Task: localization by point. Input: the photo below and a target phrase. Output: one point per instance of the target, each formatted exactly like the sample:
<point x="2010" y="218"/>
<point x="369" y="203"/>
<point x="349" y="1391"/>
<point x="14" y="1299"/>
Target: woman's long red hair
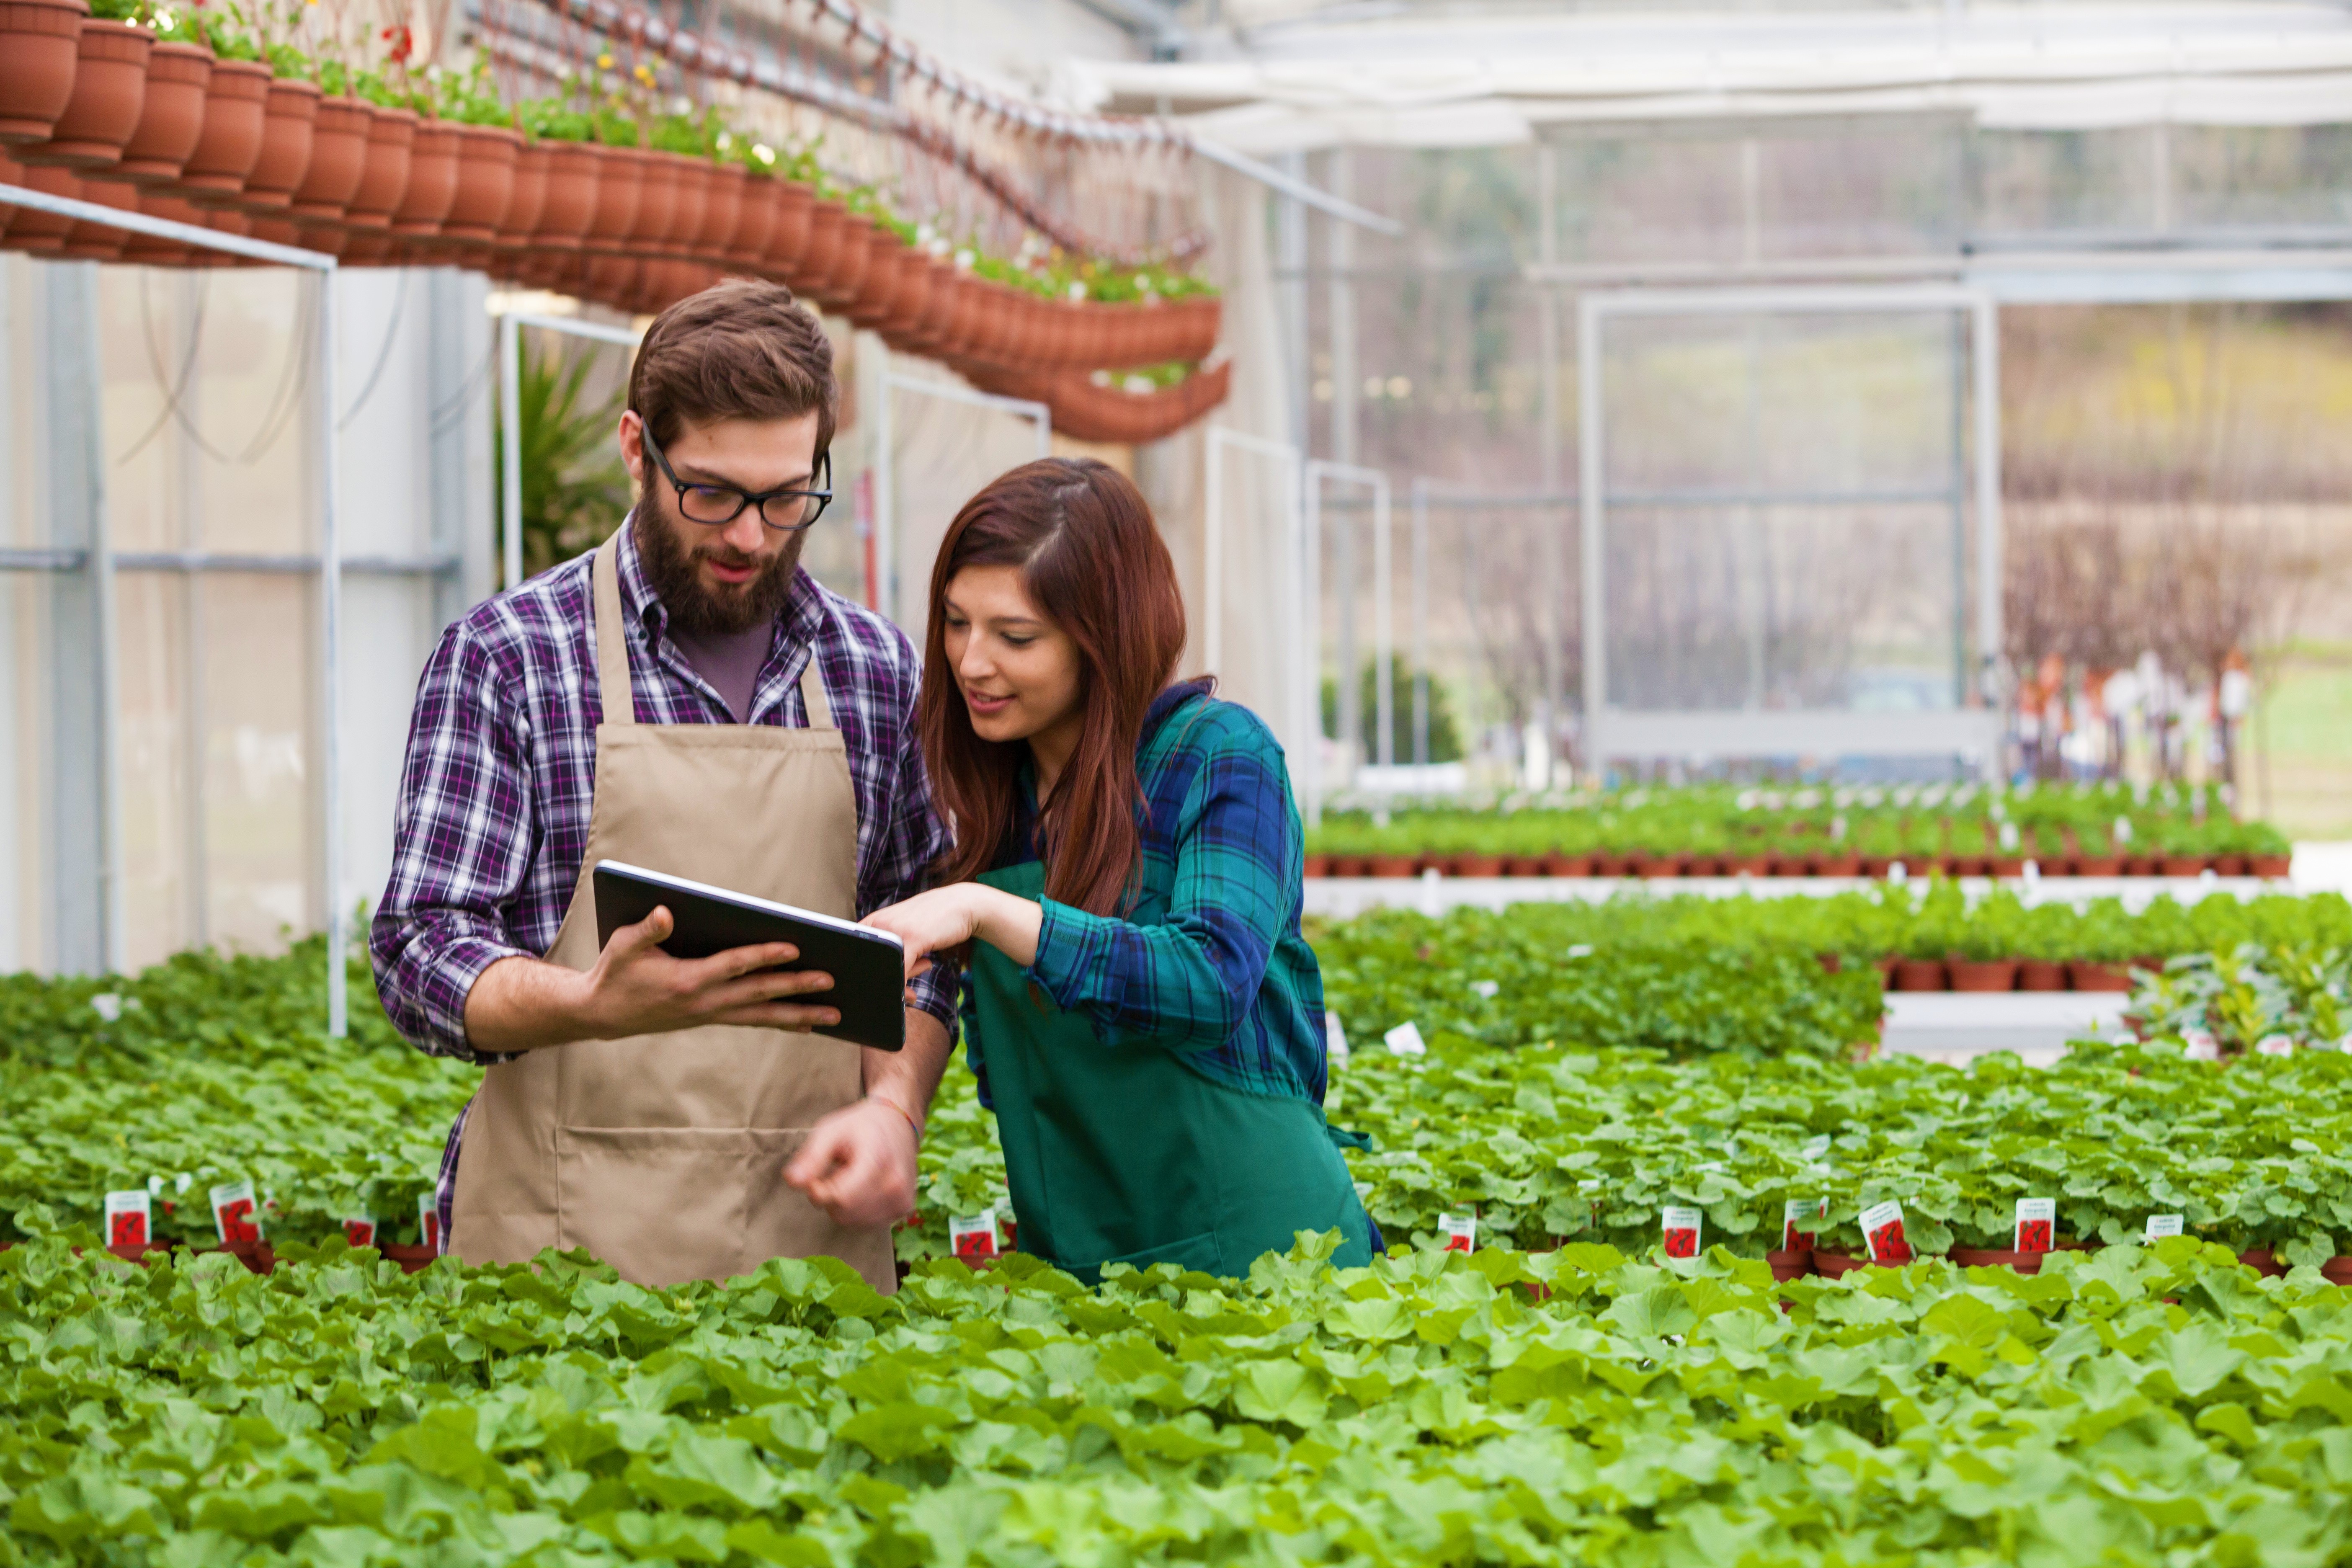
<point x="1089" y="558"/>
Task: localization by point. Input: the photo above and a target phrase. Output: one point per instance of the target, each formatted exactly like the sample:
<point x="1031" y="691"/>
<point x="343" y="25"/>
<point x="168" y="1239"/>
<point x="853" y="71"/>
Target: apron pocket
<point x="659" y="1203"/>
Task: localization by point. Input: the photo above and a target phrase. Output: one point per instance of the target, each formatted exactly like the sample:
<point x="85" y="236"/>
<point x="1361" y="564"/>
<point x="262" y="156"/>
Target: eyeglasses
<point x="793" y="508"/>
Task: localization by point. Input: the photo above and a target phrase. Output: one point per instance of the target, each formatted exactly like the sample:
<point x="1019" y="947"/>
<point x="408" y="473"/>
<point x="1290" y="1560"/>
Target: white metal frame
<point x="1310" y="614"/>
<point x="886" y="460"/>
<point x="1304" y="699"/>
<point x="102" y="565"/>
<point x="510" y="326"/>
<point x="1611" y="731"/>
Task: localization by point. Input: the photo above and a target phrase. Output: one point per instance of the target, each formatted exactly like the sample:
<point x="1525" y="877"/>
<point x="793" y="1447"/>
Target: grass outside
<point x="2309" y="730"/>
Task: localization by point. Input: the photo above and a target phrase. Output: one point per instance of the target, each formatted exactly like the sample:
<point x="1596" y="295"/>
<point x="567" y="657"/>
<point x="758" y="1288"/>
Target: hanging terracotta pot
<point x="851" y="258"/>
<point x="878" y="286"/>
<point x="39" y="47"/>
<point x="570" y="207"/>
<point x="339" y="157"/>
<point x="620" y="180"/>
<point x="656" y="201"/>
<point x="146" y="250"/>
<point x="40" y="232"/>
<point x="788" y="239"/>
<point x="1198" y="321"/>
<point x="384" y="179"/>
<point x="755" y="221"/>
<point x="690" y="179"/>
<point x="487" y="155"/>
<point x="170" y="113"/>
<point x="722" y="212"/>
<point x="99" y="241"/>
<point x="431" y="180"/>
<point x="530" y="199"/>
<point x="828" y="223"/>
<point x="231" y="139"/>
<point x="289" y="117"/>
<point x="612" y="279"/>
<point x="913" y="303"/>
<point x="108" y="91"/>
<point x="928" y="333"/>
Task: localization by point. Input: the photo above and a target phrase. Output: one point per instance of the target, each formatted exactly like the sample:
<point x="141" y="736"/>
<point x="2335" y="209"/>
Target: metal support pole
<point x="1591" y="516"/>
<point x="1986" y="316"/>
<point x="113" y="931"/>
<point x="330" y="637"/>
<point x="1419" y="623"/>
<point x="509" y="452"/>
<point x="1350" y="691"/>
<point x="1384" y="626"/>
<point x="1552" y="666"/>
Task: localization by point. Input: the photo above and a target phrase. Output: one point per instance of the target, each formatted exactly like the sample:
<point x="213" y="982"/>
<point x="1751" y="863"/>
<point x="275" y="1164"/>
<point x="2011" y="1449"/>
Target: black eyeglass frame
<point x="824" y="497"/>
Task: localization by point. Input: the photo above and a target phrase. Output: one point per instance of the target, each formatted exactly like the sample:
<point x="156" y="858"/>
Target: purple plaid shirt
<point x="501" y="767"/>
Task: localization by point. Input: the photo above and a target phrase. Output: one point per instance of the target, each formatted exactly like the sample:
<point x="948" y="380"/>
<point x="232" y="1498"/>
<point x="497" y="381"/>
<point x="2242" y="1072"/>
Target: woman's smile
<point x="985" y="705"/>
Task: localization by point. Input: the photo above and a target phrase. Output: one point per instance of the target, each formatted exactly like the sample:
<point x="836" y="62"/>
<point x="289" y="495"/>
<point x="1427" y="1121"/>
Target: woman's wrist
<point x="1007" y="922"/>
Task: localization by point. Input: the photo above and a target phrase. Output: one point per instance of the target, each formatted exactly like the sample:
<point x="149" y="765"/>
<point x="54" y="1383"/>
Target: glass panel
<point x="159" y="919"/>
<point x="258" y="697"/>
<point x="2034" y="182"/>
<point x="1782" y="607"/>
<point x="1730" y="405"/>
<point x="2286" y="176"/>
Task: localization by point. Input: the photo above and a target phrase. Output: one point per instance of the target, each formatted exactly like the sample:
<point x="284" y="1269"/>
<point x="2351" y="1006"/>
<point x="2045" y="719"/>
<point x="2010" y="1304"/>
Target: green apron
<point x="1125" y="1155"/>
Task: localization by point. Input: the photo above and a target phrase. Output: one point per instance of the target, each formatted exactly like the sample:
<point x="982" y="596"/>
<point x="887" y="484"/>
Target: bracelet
<point x="901" y="1110"/>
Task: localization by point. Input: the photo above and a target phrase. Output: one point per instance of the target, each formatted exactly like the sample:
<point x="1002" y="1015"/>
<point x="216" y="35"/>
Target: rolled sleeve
<point x="461" y="847"/>
<point x="1186" y="984"/>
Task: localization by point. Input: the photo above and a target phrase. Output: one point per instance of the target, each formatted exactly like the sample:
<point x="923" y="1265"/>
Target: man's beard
<point x="669" y="560"/>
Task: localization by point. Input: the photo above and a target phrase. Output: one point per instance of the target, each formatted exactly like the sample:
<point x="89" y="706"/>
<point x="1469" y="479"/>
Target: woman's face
<point x="1018" y="671"/>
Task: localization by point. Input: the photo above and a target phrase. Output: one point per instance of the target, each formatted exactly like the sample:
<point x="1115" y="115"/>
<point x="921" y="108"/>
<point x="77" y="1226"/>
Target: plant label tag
<point x="1794" y="1213"/>
<point x="2160" y="1226"/>
<point x="1335" y="1039"/>
<point x="232" y="1213"/>
<point x="358" y="1229"/>
<point x="973" y="1239"/>
<point x="1881" y="1227"/>
<point x="1460" y="1230"/>
<point x="1682" y="1228"/>
<point x="428" y="1221"/>
<point x="1487" y="988"/>
<point x="127" y="1217"/>
<point x="1405" y="1040"/>
<point x="2035" y="1219"/>
<point x="2203" y="1047"/>
<point x="2274" y="1046"/>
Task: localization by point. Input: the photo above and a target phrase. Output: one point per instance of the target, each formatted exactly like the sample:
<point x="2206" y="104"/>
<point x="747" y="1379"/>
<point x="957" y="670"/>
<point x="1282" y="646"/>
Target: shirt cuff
<point x="1071" y="945"/>
<point x="935" y="992"/>
<point x="446" y="987"/>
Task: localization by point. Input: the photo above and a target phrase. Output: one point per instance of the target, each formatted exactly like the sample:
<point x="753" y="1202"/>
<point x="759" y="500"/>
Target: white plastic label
<point x="1795" y="1214"/>
<point x="2036" y="1219"/>
<point x="2274" y="1046"/>
<point x="1405" y="1040"/>
<point x="1682" y="1228"/>
<point x="127" y="1215"/>
<point x="232" y="1213"/>
<point x="428" y="1222"/>
<point x="1335" y="1038"/>
<point x="1882" y="1228"/>
<point x="974" y="1238"/>
<point x="2203" y="1047"/>
<point x="2160" y="1226"/>
<point x="358" y="1229"/>
<point x="1487" y="988"/>
<point x="1460" y="1230"/>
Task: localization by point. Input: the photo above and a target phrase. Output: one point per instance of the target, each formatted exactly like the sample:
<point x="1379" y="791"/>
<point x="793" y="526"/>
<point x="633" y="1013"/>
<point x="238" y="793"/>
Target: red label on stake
<point x="1682" y="1228"/>
<point x="233" y="1213"/>
<point x="1794" y="1213"/>
<point x="974" y="1239"/>
<point x="2035" y="1219"/>
<point x="1460" y="1230"/>
<point x="1881" y="1227"/>
<point x="358" y="1229"/>
<point x="127" y="1217"/>
<point x="428" y="1222"/>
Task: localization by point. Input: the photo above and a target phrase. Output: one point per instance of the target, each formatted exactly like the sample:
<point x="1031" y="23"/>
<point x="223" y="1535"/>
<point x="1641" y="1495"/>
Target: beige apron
<point x="663" y="1154"/>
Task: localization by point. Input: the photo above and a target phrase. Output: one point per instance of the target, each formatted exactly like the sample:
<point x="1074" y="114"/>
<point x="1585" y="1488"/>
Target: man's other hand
<point x="858" y="1165"/>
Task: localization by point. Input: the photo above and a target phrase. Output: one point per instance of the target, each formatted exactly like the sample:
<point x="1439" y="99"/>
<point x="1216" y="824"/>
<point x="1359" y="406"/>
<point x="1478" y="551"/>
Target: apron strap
<point x="812" y="698"/>
<point x="611" y="638"/>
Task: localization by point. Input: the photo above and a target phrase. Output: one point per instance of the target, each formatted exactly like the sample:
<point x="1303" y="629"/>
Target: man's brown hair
<point x="739" y="350"/>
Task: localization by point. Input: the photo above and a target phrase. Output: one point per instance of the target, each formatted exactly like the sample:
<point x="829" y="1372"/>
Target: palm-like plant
<point x="575" y="490"/>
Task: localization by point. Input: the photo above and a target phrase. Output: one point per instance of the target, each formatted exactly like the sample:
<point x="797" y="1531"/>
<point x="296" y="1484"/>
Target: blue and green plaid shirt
<point x="1208" y="962"/>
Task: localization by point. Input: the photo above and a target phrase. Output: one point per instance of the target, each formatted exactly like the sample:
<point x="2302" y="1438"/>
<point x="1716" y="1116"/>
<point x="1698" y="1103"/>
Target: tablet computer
<point x="868" y="966"/>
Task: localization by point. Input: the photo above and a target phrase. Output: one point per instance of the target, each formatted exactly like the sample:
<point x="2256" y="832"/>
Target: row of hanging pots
<point x="1096" y="407"/>
<point x="103" y="111"/>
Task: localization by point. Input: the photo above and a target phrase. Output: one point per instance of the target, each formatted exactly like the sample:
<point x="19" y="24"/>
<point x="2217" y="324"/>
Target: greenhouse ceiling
<point x="1280" y="79"/>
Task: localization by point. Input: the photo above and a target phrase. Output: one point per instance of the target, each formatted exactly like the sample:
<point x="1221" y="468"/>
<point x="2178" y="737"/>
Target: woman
<point x="1145" y="1019"/>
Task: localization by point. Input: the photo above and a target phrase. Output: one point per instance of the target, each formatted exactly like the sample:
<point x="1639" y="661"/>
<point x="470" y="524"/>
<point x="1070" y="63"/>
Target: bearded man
<point x="685" y="699"/>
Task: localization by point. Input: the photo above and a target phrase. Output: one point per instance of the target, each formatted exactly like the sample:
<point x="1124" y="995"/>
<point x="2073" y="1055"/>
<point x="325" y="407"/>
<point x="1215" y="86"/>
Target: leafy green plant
<point x="574" y="489"/>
